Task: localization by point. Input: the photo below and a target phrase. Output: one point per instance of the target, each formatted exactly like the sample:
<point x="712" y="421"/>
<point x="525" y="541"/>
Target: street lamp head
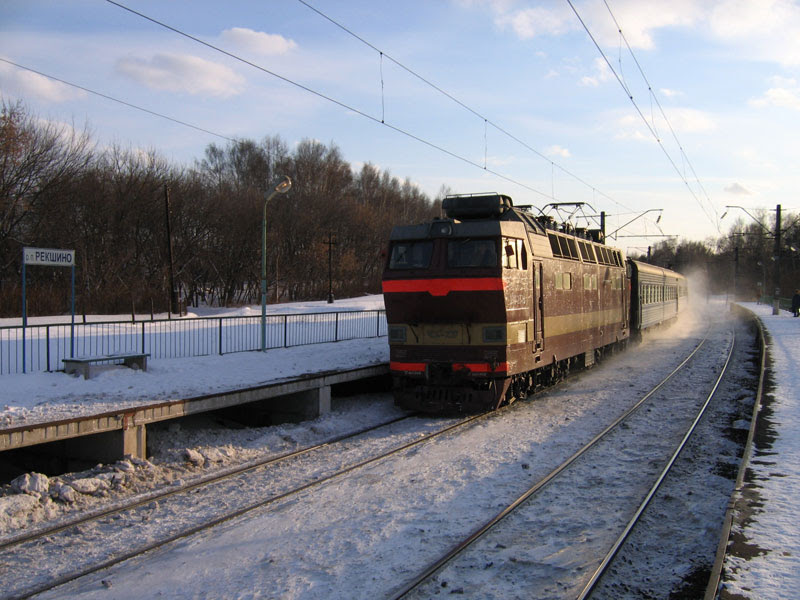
<point x="723" y="215"/>
<point x="284" y="185"/>
<point x="658" y="220"/>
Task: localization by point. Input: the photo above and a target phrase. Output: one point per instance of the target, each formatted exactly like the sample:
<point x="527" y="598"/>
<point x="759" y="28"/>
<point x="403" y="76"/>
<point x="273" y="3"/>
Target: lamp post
<point x="278" y="187"/>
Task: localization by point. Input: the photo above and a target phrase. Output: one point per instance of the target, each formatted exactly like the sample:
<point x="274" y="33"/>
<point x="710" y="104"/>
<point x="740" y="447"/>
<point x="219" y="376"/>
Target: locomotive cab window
<point x="515" y="256"/>
<point x="411" y="255"/>
<point x="471" y="253"/>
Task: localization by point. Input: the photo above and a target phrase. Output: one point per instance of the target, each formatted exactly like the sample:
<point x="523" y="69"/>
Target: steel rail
<point x="537" y="487"/>
<point x="606" y="562"/>
<point x="150" y="497"/>
<point x="53" y="583"/>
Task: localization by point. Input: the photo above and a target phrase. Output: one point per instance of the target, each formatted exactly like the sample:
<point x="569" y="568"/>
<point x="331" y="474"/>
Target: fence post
<point x="377" y="323"/>
<point x="143" y="322"/>
<point x="220" y="336"/>
<point x="285" y="331"/>
<point x="336" y="330"/>
<point x="47" y="329"/>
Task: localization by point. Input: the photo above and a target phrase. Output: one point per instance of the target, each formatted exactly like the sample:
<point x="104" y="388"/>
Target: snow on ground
<point x="39" y="397"/>
<point x="773" y="570"/>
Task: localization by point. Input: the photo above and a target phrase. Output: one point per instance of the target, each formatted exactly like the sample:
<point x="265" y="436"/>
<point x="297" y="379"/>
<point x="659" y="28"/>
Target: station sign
<point x="49" y="257"/>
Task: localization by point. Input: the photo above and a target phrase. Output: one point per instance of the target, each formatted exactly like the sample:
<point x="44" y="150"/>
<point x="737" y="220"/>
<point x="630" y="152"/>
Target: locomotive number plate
<point x="443" y="334"/>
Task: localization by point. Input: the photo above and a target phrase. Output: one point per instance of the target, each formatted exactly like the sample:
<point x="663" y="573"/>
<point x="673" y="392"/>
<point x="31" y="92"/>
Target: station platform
<point x="105" y="417"/>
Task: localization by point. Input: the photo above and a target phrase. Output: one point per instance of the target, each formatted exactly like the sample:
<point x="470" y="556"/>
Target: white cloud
<point x="755" y="30"/>
<point x="689" y="120"/>
<point x="601" y="74"/>
<point x="32" y="85"/>
<point x="764" y="30"/>
<point x="183" y="73"/>
<point x="531" y="22"/>
<point x="668" y="93"/>
<point x="558" y="151"/>
<point x="737" y="189"/>
<point x="258" y="42"/>
<point x="785" y="93"/>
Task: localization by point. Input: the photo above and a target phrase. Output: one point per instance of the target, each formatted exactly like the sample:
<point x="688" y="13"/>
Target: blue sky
<point x="723" y="71"/>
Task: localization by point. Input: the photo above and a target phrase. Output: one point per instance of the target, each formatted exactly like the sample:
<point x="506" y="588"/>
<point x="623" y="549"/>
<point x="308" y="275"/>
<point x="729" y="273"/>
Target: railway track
<point x="21" y="555"/>
<point x="495" y="548"/>
<point x="152" y="523"/>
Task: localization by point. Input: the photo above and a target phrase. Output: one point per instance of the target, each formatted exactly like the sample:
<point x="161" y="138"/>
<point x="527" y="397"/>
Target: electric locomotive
<point x="490" y="302"/>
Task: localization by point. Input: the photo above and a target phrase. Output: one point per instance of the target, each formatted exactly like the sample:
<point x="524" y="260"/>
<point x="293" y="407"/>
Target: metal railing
<point x="47" y="345"/>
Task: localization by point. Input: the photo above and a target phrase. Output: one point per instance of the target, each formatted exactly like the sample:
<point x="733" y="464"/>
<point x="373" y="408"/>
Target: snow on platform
<point x="772" y="531"/>
<point x="33" y="398"/>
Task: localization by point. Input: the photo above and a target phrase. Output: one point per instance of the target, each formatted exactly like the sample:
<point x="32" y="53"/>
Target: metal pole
<point x="264" y="277"/>
<point x="173" y="297"/>
<point x="24" y="312"/>
<point x="330" y="268"/>
<point x="280" y="187"/>
<point x="72" y="322"/>
<point x="777" y="273"/>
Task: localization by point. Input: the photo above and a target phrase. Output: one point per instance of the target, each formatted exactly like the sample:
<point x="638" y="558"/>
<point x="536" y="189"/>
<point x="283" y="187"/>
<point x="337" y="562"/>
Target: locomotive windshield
<point x="471" y="253"/>
<point x="411" y="255"/>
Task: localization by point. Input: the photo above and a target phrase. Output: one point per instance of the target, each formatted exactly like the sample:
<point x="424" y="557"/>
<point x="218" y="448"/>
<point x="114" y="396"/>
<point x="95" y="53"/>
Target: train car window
<point x="554" y="244"/>
<point x="411" y="255"/>
<point x="564" y="246"/>
<point x="471" y="253"/>
<point x="573" y="248"/>
<point x="586" y="252"/>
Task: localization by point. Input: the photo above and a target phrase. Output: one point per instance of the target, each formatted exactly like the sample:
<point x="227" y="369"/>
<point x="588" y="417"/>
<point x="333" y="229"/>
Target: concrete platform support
<point x="134" y="441"/>
<point x="108" y="447"/>
<point x="301" y="406"/>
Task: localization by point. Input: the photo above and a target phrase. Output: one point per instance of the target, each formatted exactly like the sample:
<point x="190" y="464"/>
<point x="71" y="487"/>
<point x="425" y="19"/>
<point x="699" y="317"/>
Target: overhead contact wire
<point x="456" y="100"/>
<point x="339" y="103"/>
<point x="639" y="110"/>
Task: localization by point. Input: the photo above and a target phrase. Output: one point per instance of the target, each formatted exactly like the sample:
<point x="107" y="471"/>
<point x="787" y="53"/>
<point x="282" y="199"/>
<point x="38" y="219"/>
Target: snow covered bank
<point x="772" y="569"/>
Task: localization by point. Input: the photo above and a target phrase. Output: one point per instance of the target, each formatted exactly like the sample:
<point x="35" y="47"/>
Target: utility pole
<point x="330" y="267"/>
<point x="173" y="296"/>
<point x="777" y="275"/>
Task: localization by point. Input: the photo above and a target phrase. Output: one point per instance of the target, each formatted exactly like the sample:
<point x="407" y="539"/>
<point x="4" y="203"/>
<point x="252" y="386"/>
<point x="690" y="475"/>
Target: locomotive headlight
<point x="397" y="334"/>
<point x="441" y="228"/>
<point x="494" y="334"/>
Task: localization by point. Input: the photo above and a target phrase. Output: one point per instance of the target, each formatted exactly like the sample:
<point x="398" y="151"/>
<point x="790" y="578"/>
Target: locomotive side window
<point x="563" y="281"/>
<point x="573" y="248"/>
<point x="554" y="244"/>
<point x="471" y="253"/>
<point x="515" y="256"/>
<point x="587" y="252"/>
<point x="411" y="255"/>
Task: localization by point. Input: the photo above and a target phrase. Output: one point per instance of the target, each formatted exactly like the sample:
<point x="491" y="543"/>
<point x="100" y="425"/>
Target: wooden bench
<point x="83" y="364"/>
